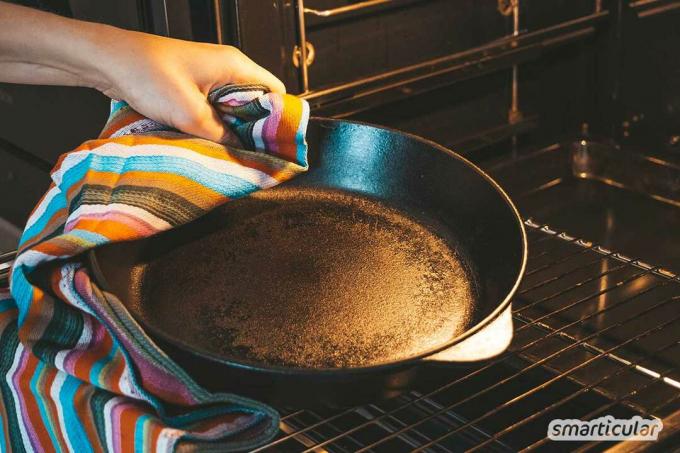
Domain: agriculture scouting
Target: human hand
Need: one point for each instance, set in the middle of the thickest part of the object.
(168, 80)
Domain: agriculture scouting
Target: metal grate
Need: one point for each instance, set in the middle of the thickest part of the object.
(596, 333)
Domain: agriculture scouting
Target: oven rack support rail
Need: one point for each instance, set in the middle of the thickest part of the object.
(352, 97)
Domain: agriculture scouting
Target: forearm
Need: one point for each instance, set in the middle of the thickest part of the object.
(43, 48)
(165, 79)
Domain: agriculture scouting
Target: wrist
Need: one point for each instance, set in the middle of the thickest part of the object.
(94, 58)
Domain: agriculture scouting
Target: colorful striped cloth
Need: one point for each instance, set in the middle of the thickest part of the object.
(78, 373)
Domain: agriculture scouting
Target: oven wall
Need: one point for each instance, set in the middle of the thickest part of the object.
(648, 91)
(557, 84)
(404, 32)
(621, 82)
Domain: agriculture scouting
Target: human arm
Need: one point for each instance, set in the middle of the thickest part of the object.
(165, 79)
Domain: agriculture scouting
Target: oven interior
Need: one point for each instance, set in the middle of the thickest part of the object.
(573, 109)
(572, 105)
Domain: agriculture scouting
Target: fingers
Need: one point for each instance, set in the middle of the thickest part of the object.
(268, 79)
(201, 119)
(246, 70)
(173, 82)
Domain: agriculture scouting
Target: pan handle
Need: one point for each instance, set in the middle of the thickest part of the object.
(489, 342)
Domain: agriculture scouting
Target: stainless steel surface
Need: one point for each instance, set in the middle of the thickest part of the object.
(625, 200)
(598, 333)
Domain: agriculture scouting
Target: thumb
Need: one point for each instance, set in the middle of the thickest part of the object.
(202, 120)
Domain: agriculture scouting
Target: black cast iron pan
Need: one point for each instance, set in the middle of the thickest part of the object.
(332, 288)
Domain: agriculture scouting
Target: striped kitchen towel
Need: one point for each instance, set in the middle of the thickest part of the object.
(78, 373)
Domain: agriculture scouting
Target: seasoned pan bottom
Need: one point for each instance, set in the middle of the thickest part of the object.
(310, 278)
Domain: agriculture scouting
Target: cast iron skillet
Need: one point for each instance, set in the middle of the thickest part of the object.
(334, 287)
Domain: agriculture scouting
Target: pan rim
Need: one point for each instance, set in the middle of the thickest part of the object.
(413, 360)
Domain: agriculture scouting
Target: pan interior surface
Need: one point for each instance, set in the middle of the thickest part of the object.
(309, 278)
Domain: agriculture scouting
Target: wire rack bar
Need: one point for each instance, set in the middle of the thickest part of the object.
(604, 353)
(587, 298)
(582, 390)
(504, 358)
(414, 438)
(570, 272)
(619, 400)
(560, 260)
(551, 381)
(525, 325)
(659, 271)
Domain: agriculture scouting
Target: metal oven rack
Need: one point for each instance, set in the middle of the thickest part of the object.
(354, 96)
(596, 333)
